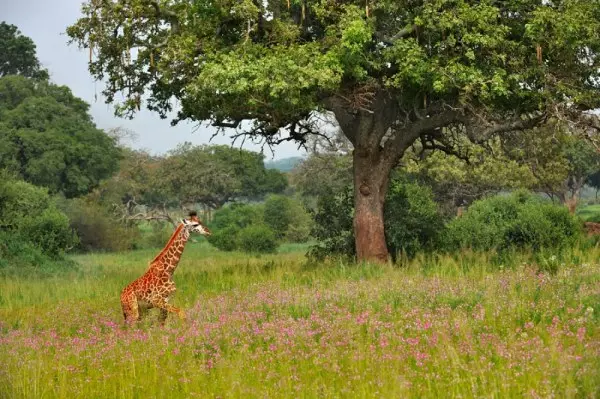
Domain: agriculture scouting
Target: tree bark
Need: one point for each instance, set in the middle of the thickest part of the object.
(371, 179)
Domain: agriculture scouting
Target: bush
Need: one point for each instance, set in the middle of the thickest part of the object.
(225, 238)
(517, 221)
(28, 212)
(257, 239)
(412, 221)
(241, 227)
(96, 229)
(238, 215)
(278, 214)
(18, 256)
(288, 218)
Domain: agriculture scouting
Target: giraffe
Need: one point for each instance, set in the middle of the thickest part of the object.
(153, 288)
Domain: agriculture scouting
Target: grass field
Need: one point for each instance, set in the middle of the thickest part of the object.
(589, 213)
(273, 326)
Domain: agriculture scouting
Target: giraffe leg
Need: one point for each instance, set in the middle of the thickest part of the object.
(166, 308)
(131, 311)
(162, 316)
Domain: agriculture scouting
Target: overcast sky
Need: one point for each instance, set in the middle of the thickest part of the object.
(45, 22)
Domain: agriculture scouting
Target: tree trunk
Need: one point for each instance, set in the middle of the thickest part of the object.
(371, 179)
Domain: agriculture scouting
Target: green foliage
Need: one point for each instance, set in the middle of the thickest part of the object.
(225, 238)
(47, 136)
(20, 257)
(238, 215)
(284, 164)
(322, 174)
(97, 230)
(34, 232)
(156, 237)
(219, 174)
(288, 218)
(456, 182)
(517, 221)
(413, 222)
(412, 219)
(281, 60)
(257, 239)
(17, 54)
(278, 214)
(260, 228)
(333, 225)
(237, 227)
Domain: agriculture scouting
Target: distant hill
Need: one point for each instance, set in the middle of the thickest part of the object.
(284, 164)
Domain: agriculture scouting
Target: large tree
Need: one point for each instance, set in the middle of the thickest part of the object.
(391, 71)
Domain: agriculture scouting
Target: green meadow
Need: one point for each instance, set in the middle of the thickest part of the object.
(278, 326)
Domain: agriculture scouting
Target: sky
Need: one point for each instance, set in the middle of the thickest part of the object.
(45, 22)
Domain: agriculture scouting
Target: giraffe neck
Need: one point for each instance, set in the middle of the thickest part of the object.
(168, 259)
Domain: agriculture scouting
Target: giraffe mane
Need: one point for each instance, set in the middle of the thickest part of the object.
(175, 234)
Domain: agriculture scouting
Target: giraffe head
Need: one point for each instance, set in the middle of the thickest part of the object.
(194, 225)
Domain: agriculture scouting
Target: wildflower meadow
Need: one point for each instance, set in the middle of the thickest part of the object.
(277, 326)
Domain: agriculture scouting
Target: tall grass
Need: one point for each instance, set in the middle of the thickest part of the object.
(467, 325)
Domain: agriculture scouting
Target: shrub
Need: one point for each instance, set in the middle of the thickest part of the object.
(19, 256)
(239, 215)
(278, 214)
(517, 221)
(241, 227)
(155, 235)
(288, 218)
(257, 239)
(225, 238)
(413, 221)
(30, 213)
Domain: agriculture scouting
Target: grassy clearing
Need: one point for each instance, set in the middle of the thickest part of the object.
(589, 213)
(274, 326)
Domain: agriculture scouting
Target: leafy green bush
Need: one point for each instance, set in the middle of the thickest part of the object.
(278, 214)
(517, 221)
(333, 225)
(288, 218)
(29, 212)
(239, 215)
(412, 221)
(19, 256)
(257, 239)
(238, 227)
(225, 238)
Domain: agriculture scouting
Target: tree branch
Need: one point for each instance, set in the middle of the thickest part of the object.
(479, 136)
(389, 40)
(394, 148)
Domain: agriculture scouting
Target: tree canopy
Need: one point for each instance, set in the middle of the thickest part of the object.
(215, 175)
(17, 54)
(393, 72)
(47, 135)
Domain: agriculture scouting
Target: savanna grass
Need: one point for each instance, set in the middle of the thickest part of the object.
(276, 326)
